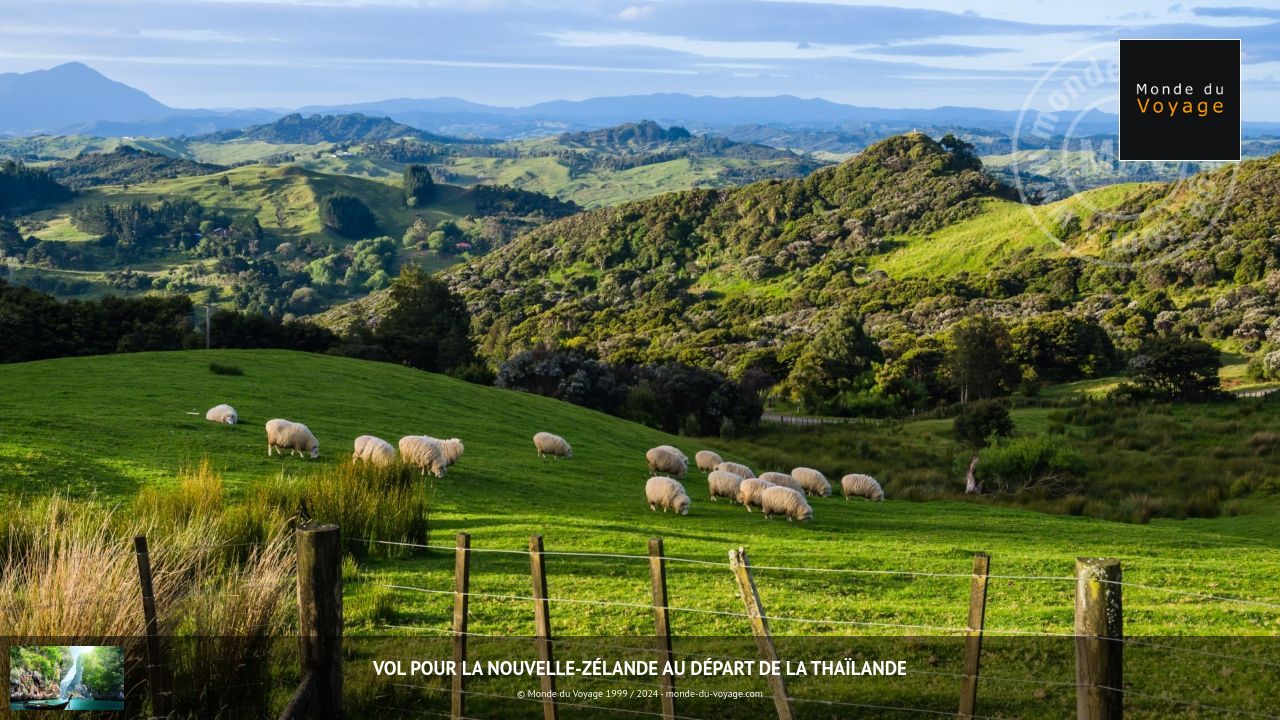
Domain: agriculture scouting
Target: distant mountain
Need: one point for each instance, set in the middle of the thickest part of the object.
(628, 135)
(348, 128)
(189, 122)
(67, 95)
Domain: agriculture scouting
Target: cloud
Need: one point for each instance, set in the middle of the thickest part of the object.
(937, 50)
(635, 12)
(1238, 11)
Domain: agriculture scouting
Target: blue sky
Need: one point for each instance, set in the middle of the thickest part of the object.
(910, 53)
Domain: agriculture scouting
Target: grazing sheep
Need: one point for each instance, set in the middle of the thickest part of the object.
(863, 486)
(424, 453)
(785, 501)
(707, 460)
(222, 414)
(723, 484)
(666, 459)
(677, 451)
(738, 469)
(668, 494)
(552, 445)
(783, 479)
(813, 482)
(295, 437)
(373, 450)
(452, 450)
(749, 492)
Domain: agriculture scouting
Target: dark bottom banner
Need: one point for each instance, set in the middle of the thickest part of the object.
(707, 678)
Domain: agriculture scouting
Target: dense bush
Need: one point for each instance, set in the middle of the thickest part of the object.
(347, 215)
(24, 189)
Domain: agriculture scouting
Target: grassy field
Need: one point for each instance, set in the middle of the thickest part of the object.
(105, 427)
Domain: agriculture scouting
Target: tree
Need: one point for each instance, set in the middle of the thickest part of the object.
(974, 427)
(418, 186)
(980, 358)
(1174, 368)
(839, 353)
(347, 215)
(427, 326)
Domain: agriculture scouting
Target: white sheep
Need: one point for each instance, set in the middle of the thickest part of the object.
(863, 486)
(677, 451)
(813, 482)
(295, 437)
(723, 484)
(785, 501)
(783, 479)
(666, 493)
(222, 414)
(749, 492)
(424, 453)
(707, 460)
(738, 469)
(553, 445)
(666, 459)
(452, 450)
(373, 450)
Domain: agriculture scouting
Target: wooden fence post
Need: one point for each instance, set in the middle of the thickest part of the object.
(973, 635)
(760, 628)
(155, 662)
(662, 626)
(1099, 640)
(320, 617)
(461, 588)
(542, 626)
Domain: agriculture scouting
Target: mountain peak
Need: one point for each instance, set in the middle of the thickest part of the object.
(69, 94)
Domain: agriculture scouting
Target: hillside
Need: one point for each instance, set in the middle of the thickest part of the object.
(501, 493)
(126, 165)
(349, 128)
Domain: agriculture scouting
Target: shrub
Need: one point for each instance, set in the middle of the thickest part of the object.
(1034, 463)
(220, 369)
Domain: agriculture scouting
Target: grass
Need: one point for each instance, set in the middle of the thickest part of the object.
(116, 430)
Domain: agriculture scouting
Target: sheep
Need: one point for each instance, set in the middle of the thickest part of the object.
(373, 450)
(676, 451)
(783, 479)
(666, 493)
(707, 460)
(295, 437)
(723, 484)
(738, 469)
(749, 491)
(863, 486)
(452, 450)
(424, 453)
(663, 459)
(813, 482)
(222, 414)
(552, 445)
(785, 501)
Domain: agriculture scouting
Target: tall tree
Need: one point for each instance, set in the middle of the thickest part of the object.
(427, 326)
(347, 215)
(980, 358)
(974, 427)
(1176, 369)
(839, 353)
(418, 186)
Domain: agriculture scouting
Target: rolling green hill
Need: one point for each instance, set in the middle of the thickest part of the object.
(141, 419)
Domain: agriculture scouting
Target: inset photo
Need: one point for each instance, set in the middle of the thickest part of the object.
(66, 677)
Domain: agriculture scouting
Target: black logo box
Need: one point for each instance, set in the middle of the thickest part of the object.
(1185, 65)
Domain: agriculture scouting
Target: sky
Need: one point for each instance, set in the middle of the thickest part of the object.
(904, 53)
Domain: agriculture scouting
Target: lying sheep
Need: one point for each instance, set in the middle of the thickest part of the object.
(783, 479)
(738, 469)
(749, 492)
(707, 460)
(666, 459)
(295, 437)
(863, 486)
(723, 484)
(373, 450)
(222, 414)
(452, 450)
(424, 453)
(552, 445)
(665, 493)
(813, 482)
(785, 501)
